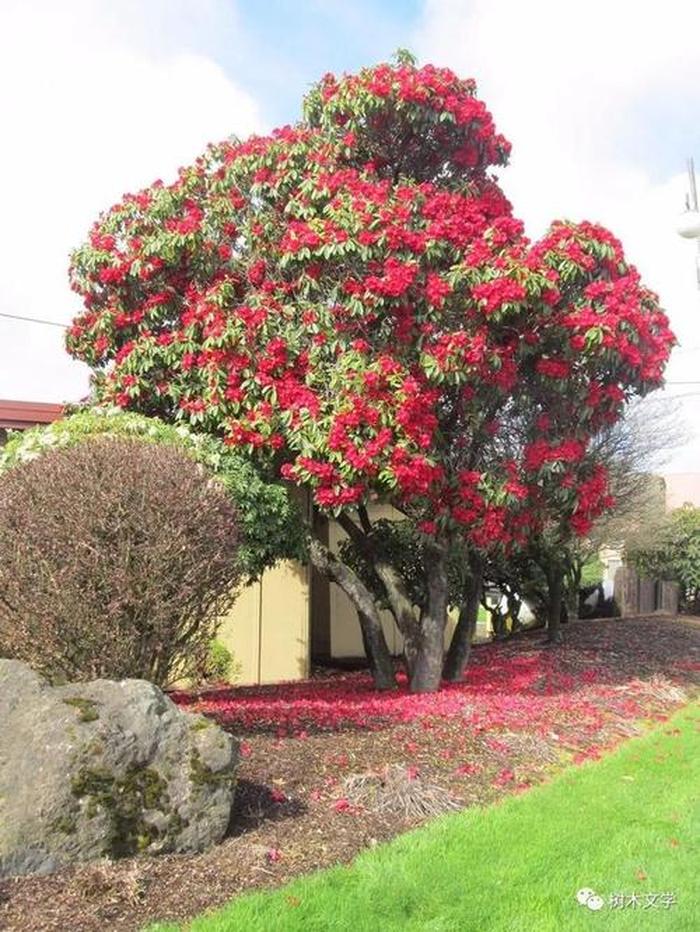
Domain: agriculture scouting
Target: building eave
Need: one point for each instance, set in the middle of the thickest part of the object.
(19, 415)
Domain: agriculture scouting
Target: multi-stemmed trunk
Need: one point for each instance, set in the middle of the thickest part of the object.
(423, 637)
(376, 647)
(463, 635)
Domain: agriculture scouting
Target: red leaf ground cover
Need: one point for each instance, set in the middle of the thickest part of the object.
(516, 686)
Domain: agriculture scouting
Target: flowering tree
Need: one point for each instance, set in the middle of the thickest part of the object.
(351, 301)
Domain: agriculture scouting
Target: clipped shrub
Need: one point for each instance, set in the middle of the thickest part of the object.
(269, 517)
(117, 558)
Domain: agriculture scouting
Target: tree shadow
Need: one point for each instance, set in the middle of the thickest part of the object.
(254, 805)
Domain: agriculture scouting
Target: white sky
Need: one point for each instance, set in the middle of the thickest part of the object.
(601, 100)
(90, 109)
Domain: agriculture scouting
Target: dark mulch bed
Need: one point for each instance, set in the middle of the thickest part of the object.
(525, 711)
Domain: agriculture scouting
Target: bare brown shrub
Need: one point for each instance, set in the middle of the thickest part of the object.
(117, 557)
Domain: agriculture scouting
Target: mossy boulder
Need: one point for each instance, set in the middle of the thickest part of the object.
(105, 769)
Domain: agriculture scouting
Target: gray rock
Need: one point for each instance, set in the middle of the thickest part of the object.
(113, 769)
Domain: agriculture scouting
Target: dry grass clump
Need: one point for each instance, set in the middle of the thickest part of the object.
(397, 789)
(103, 880)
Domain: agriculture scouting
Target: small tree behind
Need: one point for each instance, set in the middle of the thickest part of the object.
(117, 558)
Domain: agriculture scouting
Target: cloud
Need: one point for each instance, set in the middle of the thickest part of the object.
(93, 105)
(600, 102)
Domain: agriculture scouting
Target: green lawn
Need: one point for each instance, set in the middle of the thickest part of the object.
(628, 824)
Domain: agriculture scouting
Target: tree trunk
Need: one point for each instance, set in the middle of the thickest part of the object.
(498, 622)
(377, 651)
(572, 590)
(411, 646)
(399, 601)
(554, 602)
(330, 566)
(427, 670)
(514, 606)
(460, 645)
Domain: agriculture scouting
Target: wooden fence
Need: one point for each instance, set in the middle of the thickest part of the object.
(635, 595)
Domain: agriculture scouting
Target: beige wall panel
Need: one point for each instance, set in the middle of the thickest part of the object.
(346, 637)
(346, 640)
(284, 653)
(267, 630)
(240, 632)
(452, 616)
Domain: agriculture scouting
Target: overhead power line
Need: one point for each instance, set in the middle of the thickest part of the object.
(35, 320)
(56, 323)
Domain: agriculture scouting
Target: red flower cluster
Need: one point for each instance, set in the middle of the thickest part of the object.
(554, 368)
(541, 452)
(592, 500)
(494, 295)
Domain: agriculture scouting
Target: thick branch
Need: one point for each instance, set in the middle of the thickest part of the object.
(396, 593)
(334, 569)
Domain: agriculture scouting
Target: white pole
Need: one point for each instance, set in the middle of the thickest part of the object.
(689, 225)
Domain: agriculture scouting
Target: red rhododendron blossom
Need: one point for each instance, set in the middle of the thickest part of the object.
(555, 368)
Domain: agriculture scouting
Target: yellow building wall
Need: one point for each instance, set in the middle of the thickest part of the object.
(267, 630)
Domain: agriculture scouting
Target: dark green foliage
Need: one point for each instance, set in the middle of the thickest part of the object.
(401, 545)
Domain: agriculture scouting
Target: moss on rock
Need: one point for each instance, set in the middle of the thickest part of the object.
(87, 708)
(202, 775)
(125, 800)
